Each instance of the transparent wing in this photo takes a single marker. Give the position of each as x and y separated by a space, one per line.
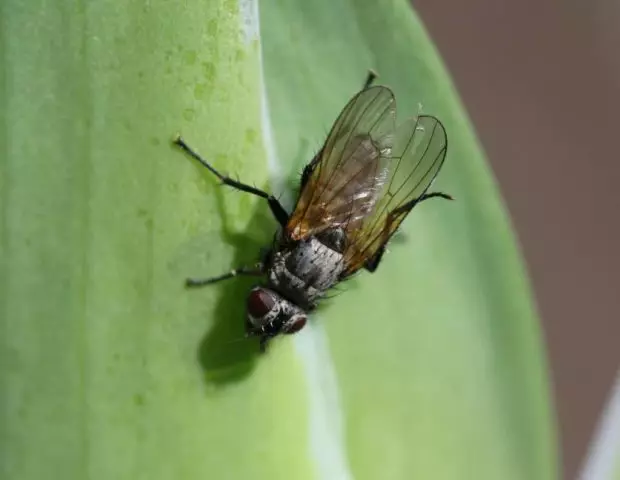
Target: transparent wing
419 149
348 174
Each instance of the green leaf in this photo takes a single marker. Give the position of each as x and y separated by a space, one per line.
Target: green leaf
104 354
112 369
438 354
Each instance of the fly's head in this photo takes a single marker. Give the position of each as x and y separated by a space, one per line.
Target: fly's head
268 315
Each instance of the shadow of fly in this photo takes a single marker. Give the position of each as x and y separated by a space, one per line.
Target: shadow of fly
354 194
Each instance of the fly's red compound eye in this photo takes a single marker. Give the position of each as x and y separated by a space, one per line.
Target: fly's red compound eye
260 303
294 324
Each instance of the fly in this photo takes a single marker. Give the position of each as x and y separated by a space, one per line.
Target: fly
354 195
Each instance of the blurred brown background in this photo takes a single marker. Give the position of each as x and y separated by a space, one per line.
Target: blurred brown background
541 82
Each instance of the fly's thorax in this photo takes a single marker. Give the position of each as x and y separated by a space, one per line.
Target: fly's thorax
305 270
269 314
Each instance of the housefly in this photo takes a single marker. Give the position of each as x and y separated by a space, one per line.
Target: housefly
354 195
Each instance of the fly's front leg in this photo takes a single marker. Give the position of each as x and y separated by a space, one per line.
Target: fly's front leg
256 270
263 344
370 79
276 207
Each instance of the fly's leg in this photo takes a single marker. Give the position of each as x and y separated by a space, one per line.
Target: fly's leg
256 270
276 207
426 196
263 343
373 262
405 208
370 78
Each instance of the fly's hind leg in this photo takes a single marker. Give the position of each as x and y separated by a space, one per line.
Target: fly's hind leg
426 196
256 270
276 207
406 208
373 262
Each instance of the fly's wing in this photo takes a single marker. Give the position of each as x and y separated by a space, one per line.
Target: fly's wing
343 183
418 152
